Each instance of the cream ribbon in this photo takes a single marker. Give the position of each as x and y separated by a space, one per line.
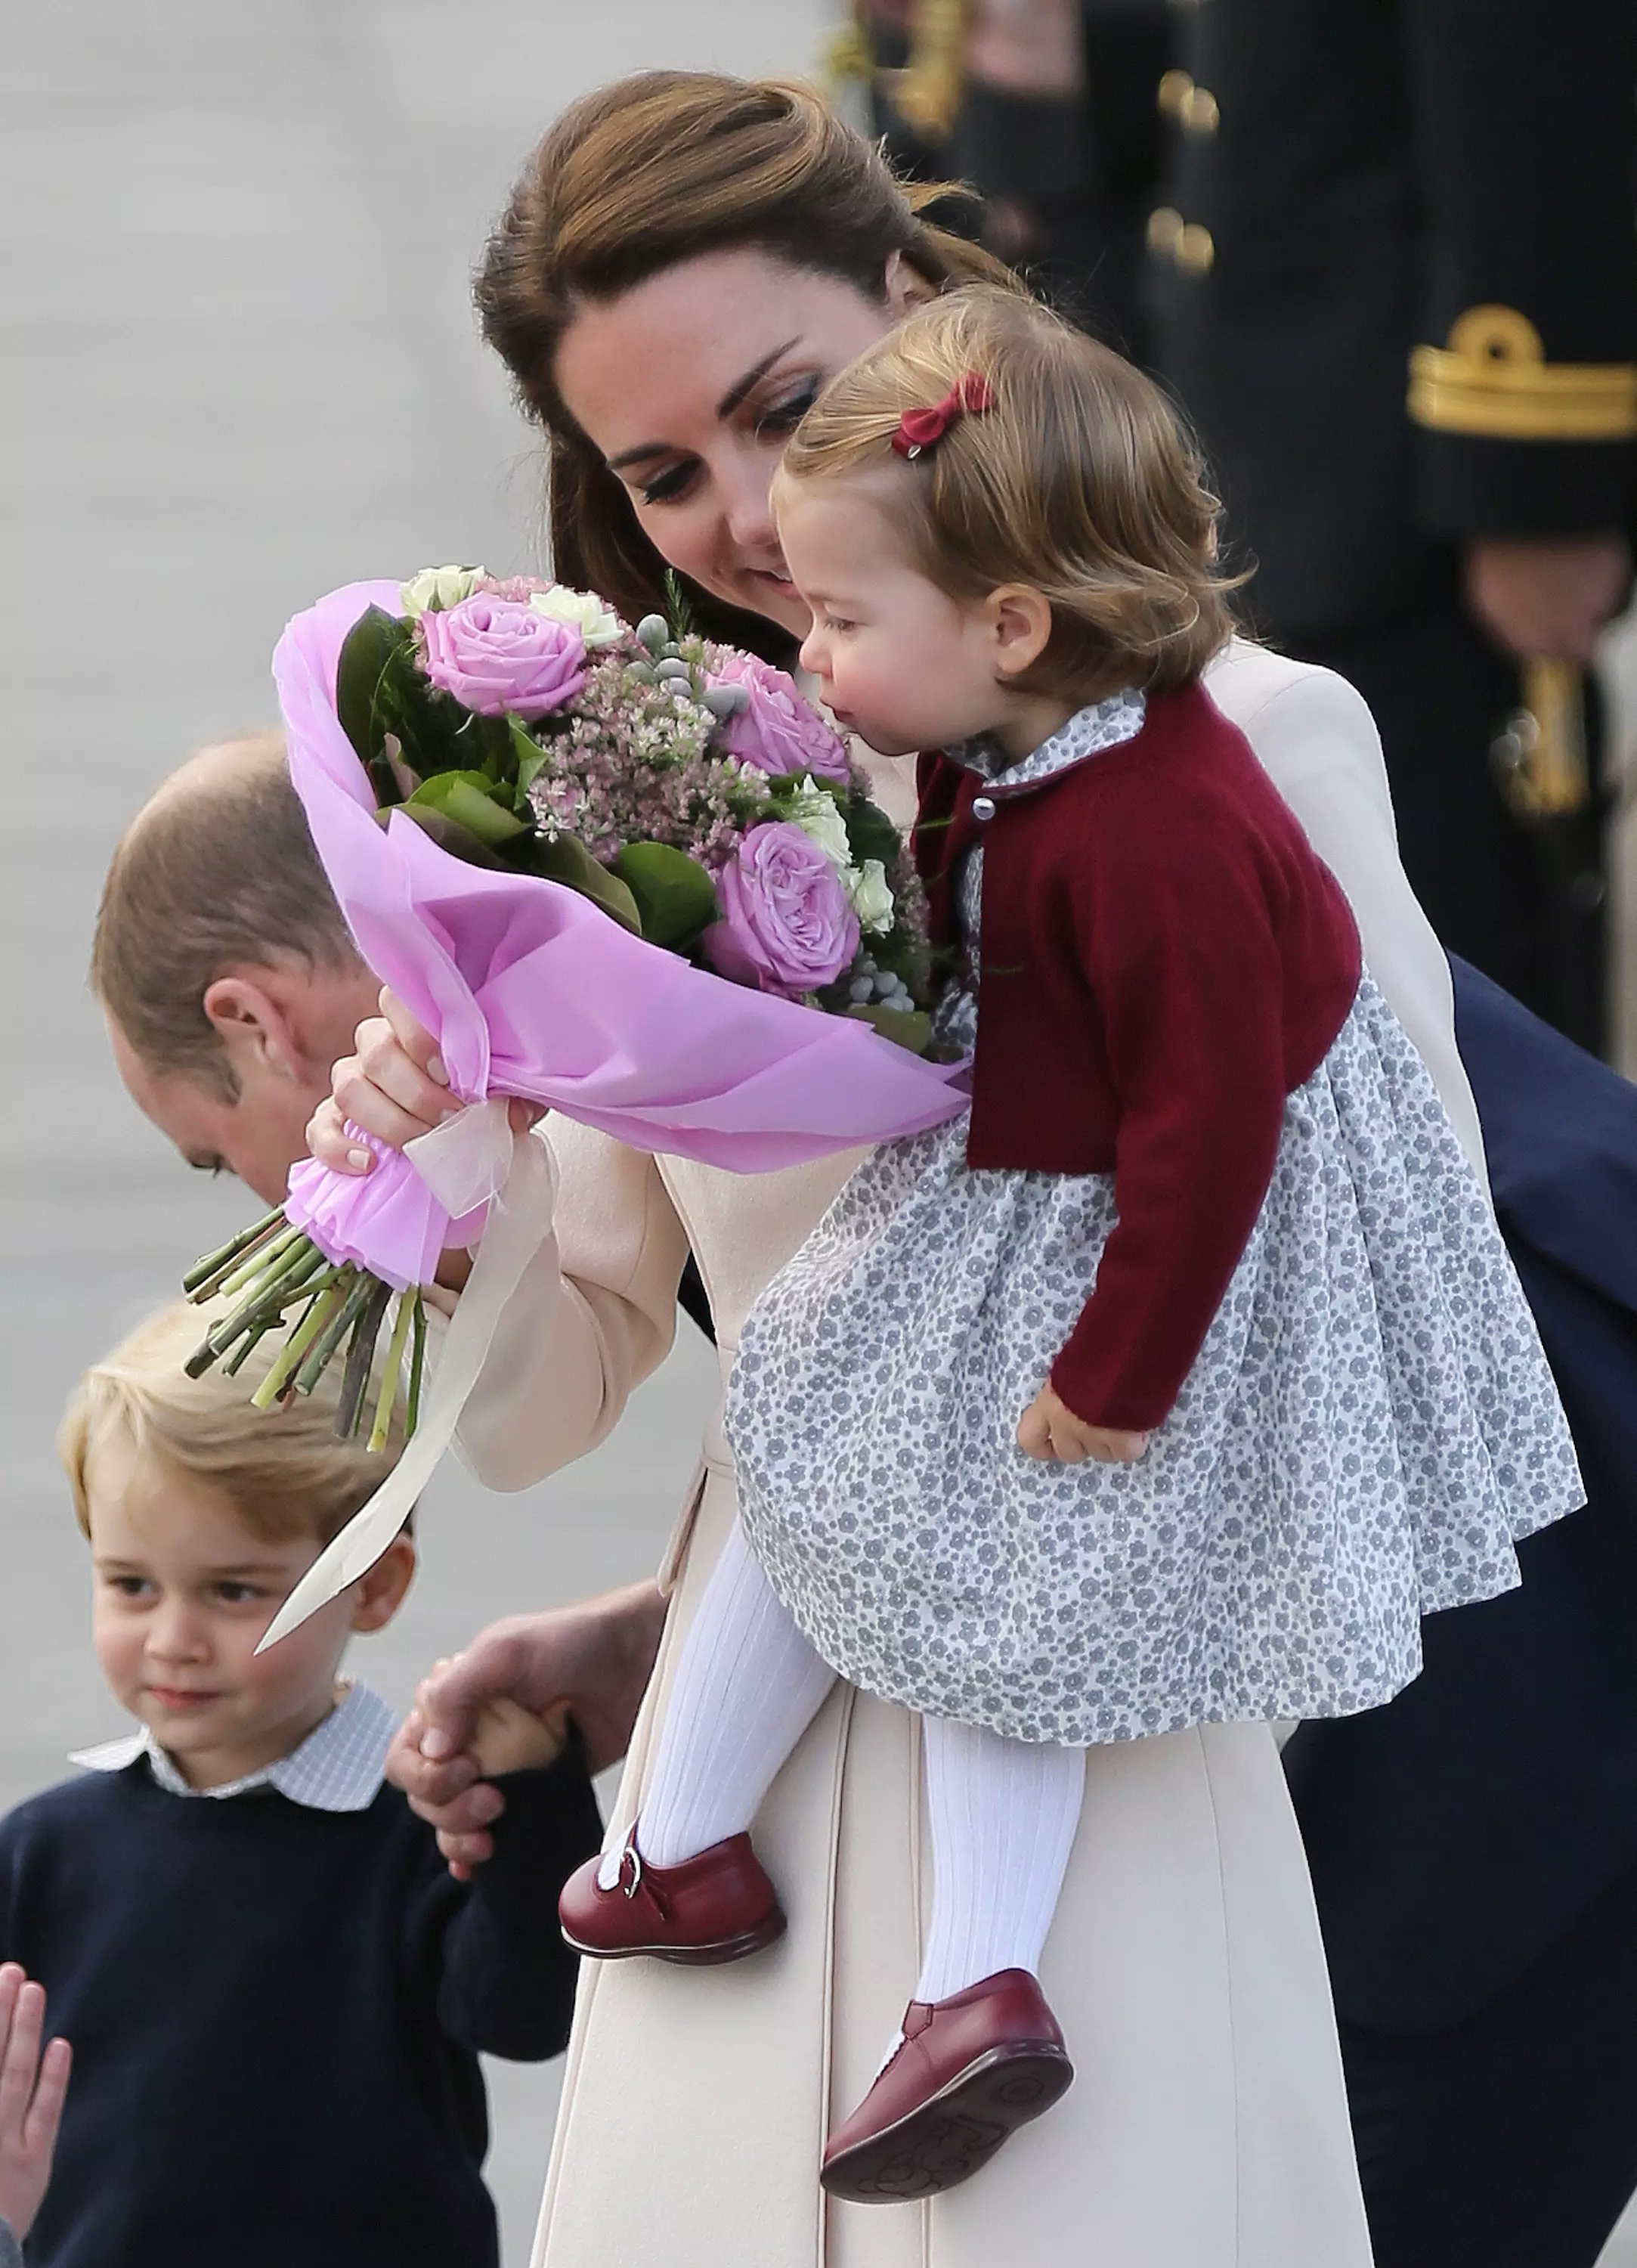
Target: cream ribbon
471 1160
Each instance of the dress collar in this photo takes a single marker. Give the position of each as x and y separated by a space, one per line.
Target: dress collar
339 1767
1106 723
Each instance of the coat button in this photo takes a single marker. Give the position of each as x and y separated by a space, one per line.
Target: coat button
1195 252
983 808
1165 226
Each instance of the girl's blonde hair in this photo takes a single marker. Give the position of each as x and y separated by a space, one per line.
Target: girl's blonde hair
285 1472
1078 480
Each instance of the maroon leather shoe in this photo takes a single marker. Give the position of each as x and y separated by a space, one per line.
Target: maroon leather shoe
972 2070
717 1907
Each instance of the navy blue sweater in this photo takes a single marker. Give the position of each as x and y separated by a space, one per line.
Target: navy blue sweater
275 2014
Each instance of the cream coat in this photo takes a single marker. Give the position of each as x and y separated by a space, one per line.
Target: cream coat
1207 2127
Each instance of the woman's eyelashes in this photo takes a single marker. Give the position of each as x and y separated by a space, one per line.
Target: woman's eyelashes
773 420
787 413
666 487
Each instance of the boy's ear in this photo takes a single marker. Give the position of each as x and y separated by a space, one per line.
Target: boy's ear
1019 620
383 1590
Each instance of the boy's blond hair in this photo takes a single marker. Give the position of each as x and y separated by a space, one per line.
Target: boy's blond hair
285 1472
1079 480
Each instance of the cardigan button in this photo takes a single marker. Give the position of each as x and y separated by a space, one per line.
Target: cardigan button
983 808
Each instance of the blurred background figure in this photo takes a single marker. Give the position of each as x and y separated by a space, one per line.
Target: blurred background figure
1395 285
1046 108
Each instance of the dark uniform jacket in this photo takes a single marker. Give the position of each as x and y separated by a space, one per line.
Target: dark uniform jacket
1456 1835
1360 183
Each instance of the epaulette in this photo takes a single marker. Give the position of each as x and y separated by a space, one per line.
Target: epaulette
1493 379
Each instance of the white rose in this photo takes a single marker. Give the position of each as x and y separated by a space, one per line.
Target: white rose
818 816
596 623
436 589
870 896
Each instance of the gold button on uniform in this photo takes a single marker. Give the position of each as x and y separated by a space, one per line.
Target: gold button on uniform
1165 226
1176 91
1200 113
1195 251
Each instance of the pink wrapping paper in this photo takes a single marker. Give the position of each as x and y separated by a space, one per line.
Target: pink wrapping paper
531 991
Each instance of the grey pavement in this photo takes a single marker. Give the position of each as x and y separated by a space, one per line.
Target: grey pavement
237 367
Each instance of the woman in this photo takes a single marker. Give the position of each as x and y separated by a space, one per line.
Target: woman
684 263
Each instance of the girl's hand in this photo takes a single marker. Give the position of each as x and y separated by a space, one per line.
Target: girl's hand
1049 1429
32 2088
394 1086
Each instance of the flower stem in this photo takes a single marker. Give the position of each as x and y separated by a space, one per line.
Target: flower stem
290 1355
342 1319
257 1263
217 1264
271 1293
388 1395
359 1356
417 1367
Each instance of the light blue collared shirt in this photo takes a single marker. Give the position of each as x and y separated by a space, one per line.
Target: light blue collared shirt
339 1767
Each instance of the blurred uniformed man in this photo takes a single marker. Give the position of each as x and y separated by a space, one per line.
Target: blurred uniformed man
1045 109
1396 288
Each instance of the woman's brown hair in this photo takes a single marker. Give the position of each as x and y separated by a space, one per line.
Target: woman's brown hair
1078 479
653 170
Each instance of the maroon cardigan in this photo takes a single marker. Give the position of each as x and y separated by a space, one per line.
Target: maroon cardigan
1164 958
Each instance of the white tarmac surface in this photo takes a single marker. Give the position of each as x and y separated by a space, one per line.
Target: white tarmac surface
237 367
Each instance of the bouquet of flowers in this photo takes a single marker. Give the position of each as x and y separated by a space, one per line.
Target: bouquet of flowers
687 797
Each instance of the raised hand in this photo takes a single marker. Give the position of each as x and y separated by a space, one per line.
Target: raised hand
33 2085
1049 1429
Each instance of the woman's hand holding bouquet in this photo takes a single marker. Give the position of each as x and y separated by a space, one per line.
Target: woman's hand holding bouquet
684 790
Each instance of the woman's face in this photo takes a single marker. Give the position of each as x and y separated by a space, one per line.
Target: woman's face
691 383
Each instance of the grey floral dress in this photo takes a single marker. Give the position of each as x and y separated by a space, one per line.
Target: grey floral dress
1369 1427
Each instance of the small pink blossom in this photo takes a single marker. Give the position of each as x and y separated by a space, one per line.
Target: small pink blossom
496 654
779 731
786 924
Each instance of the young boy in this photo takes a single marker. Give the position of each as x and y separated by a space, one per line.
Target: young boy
274 1991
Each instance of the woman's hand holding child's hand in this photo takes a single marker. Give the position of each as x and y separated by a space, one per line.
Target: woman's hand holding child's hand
1049 1429
33 2085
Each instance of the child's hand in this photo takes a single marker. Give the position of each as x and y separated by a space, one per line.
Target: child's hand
1049 1429
510 1738
32 2088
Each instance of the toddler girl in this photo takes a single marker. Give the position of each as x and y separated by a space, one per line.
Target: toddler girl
1179 1381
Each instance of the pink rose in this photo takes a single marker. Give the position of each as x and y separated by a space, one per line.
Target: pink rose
786 924
779 731
495 654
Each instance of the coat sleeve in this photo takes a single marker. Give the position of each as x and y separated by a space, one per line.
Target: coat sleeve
1185 970
508 1979
594 1314
1525 385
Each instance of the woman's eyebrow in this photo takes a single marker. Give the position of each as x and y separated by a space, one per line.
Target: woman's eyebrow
735 395
730 401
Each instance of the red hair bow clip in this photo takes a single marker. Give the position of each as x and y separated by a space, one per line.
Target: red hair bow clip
923 429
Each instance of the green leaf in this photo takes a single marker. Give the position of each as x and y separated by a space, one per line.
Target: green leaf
369 647
528 756
467 797
458 841
675 896
914 1031
570 863
870 834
